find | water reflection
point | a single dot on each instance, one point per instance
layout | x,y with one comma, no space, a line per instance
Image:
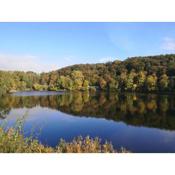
135,109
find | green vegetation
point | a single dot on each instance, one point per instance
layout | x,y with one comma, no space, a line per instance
13,141
140,74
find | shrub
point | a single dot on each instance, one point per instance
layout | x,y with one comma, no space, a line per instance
13,141
86,145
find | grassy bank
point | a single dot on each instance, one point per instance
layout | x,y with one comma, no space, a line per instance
13,141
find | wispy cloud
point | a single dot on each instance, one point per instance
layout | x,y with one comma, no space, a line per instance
168,44
24,63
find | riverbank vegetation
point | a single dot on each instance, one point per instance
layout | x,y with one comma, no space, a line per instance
140,74
13,141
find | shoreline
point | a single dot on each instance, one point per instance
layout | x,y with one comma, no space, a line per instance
96,91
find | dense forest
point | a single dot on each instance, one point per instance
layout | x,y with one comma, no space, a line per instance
141,74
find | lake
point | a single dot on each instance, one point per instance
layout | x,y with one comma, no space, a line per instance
139,122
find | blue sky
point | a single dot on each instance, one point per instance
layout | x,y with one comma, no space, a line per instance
46,46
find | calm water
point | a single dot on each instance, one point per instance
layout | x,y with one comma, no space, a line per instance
140,123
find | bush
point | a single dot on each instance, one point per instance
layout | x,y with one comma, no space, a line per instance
87,145
13,141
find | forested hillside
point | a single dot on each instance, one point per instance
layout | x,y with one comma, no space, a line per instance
143,74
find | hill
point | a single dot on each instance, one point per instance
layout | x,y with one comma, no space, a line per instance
145,74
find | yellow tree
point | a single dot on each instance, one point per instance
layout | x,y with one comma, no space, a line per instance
164,82
151,82
77,78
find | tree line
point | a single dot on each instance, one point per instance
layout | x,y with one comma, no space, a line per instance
141,74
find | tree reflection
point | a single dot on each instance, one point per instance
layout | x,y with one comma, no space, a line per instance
135,109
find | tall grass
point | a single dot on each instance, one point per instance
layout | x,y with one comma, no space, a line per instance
12,140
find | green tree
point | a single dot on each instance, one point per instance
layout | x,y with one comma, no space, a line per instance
76,74
37,87
130,85
85,85
77,78
65,83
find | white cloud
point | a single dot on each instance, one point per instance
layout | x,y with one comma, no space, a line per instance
9,62
168,44
24,63
107,59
